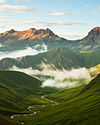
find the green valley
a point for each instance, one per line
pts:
(79, 106)
(18, 91)
(46, 79)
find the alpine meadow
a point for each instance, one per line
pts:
(49, 62)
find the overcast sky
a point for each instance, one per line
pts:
(72, 19)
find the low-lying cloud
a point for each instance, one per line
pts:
(2, 45)
(59, 78)
(24, 52)
(59, 84)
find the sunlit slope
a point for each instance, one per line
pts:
(95, 70)
(15, 87)
(83, 109)
(65, 94)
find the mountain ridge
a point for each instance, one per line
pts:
(93, 36)
(43, 33)
(29, 34)
(18, 40)
(60, 57)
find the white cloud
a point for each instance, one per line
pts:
(62, 74)
(37, 23)
(59, 84)
(22, 24)
(73, 36)
(47, 70)
(22, 0)
(64, 0)
(20, 53)
(2, 1)
(3, 16)
(1, 45)
(51, 23)
(58, 13)
(67, 23)
(16, 8)
(60, 78)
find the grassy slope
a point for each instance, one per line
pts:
(60, 57)
(17, 91)
(6, 121)
(95, 70)
(83, 109)
(91, 59)
(64, 95)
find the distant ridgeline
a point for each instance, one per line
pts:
(60, 57)
(17, 40)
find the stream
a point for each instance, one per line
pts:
(34, 113)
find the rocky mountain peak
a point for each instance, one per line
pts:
(40, 31)
(92, 37)
(11, 31)
(94, 32)
(29, 34)
(31, 30)
(96, 29)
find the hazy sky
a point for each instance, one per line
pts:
(72, 19)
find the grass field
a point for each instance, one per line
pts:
(80, 106)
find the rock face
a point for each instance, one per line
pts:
(94, 32)
(93, 36)
(30, 34)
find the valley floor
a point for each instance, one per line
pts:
(74, 106)
(35, 108)
(77, 106)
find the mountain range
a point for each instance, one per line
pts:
(23, 97)
(17, 40)
(30, 34)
